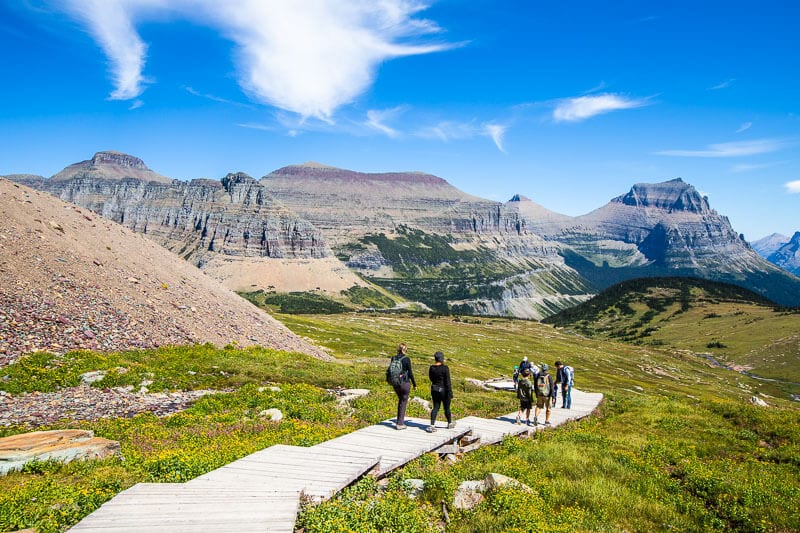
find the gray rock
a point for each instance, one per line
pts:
(468, 495)
(91, 377)
(755, 400)
(273, 414)
(414, 487)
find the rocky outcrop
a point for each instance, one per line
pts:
(58, 445)
(787, 256)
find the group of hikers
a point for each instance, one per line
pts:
(533, 384)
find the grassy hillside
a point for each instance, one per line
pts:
(674, 446)
(714, 320)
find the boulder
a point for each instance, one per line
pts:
(468, 495)
(346, 395)
(59, 445)
(495, 481)
(273, 414)
(423, 402)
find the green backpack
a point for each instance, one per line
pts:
(394, 374)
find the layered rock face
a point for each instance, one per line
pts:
(235, 216)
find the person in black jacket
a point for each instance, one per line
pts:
(441, 391)
(403, 390)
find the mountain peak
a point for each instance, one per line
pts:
(111, 165)
(321, 172)
(672, 195)
(519, 198)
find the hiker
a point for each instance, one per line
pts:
(400, 376)
(545, 394)
(441, 391)
(565, 375)
(525, 396)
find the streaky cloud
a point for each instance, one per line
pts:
(377, 120)
(584, 107)
(496, 132)
(730, 149)
(744, 127)
(723, 85)
(453, 130)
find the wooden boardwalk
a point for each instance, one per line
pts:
(262, 492)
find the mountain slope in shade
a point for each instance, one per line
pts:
(788, 255)
(74, 280)
(769, 244)
(111, 165)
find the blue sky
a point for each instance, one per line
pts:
(567, 102)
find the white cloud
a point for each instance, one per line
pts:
(723, 85)
(749, 167)
(731, 149)
(744, 127)
(308, 57)
(584, 107)
(792, 187)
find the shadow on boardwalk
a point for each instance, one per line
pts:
(262, 492)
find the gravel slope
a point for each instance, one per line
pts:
(70, 279)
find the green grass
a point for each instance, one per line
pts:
(674, 446)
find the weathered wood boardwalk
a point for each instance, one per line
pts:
(262, 492)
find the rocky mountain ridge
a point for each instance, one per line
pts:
(787, 256)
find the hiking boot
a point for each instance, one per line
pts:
(400, 426)
(430, 429)
(535, 421)
(451, 425)
(518, 422)
(528, 422)
(547, 423)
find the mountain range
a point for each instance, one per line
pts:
(412, 235)
(781, 250)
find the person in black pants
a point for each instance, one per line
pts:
(441, 391)
(403, 390)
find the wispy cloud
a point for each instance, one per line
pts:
(377, 120)
(584, 107)
(308, 57)
(723, 85)
(452, 130)
(744, 127)
(214, 98)
(731, 149)
(792, 187)
(496, 132)
(111, 26)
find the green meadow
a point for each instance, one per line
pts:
(675, 445)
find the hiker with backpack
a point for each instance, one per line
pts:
(545, 394)
(525, 396)
(565, 375)
(441, 391)
(400, 376)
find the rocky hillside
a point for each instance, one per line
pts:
(72, 280)
(769, 244)
(111, 165)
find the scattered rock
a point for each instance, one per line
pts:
(91, 377)
(59, 445)
(755, 400)
(346, 395)
(476, 383)
(414, 487)
(468, 495)
(273, 414)
(495, 481)
(423, 402)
